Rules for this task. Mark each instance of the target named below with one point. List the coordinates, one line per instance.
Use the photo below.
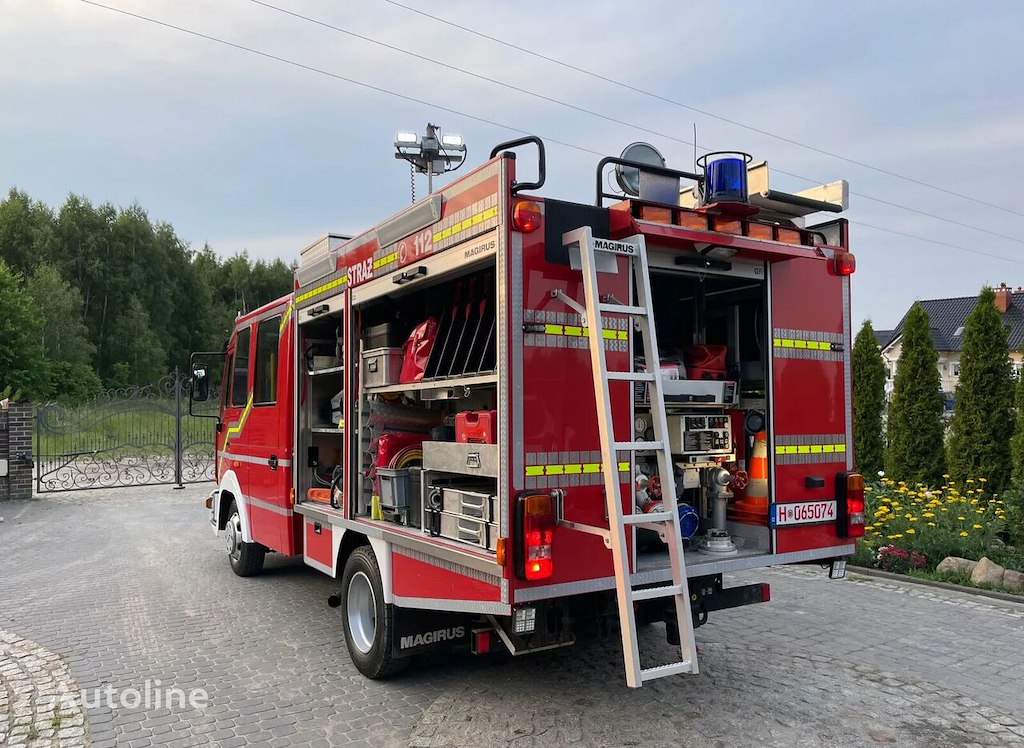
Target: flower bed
(914, 527)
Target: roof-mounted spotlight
(431, 154)
(628, 177)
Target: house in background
(947, 318)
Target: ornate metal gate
(125, 437)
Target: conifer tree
(914, 431)
(868, 401)
(979, 443)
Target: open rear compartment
(712, 327)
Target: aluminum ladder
(666, 522)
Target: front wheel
(369, 621)
(246, 558)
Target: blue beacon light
(725, 179)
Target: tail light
(526, 216)
(850, 505)
(535, 529)
(844, 263)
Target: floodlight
(628, 177)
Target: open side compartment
(427, 402)
(320, 473)
(712, 329)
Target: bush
(73, 384)
(1014, 498)
(899, 560)
(947, 521)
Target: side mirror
(200, 391)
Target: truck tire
(246, 559)
(369, 621)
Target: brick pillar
(16, 447)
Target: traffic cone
(753, 507)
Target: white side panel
(382, 550)
(229, 483)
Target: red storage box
(705, 361)
(477, 427)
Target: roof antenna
(695, 145)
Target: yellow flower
(961, 518)
(974, 501)
(963, 533)
(868, 488)
(908, 515)
(983, 480)
(929, 514)
(869, 527)
(970, 480)
(910, 531)
(931, 524)
(977, 527)
(899, 535)
(943, 509)
(946, 476)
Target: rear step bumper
(707, 594)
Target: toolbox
(381, 336)
(476, 427)
(381, 366)
(463, 529)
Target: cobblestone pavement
(129, 586)
(39, 701)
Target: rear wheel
(369, 621)
(246, 558)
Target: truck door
(232, 455)
(268, 433)
(811, 400)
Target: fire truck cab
(459, 416)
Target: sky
(251, 153)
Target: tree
(22, 365)
(135, 346)
(915, 450)
(1017, 443)
(983, 417)
(63, 333)
(868, 401)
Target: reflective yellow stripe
(473, 220)
(555, 469)
(570, 468)
(534, 470)
(591, 467)
(814, 449)
(320, 289)
(624, 465)
(385, 260)
(575, 331)
(810, 345)
(237, 428)
(286, 317)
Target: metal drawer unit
(464, 529)
(477, 502)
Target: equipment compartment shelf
(327, 430)
(331, 370)
(439, 384)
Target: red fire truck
(497, 418)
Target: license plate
(803, 513)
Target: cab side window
(240, 369)
(265, 388)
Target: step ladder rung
(635, 311)
(660, 671)
(650, 518)
(653, 593)
(631, 376)
(651, 446)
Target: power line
(592, 113)
(379, 89)
(712, 115)
(329, 74)
(1016, 261)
